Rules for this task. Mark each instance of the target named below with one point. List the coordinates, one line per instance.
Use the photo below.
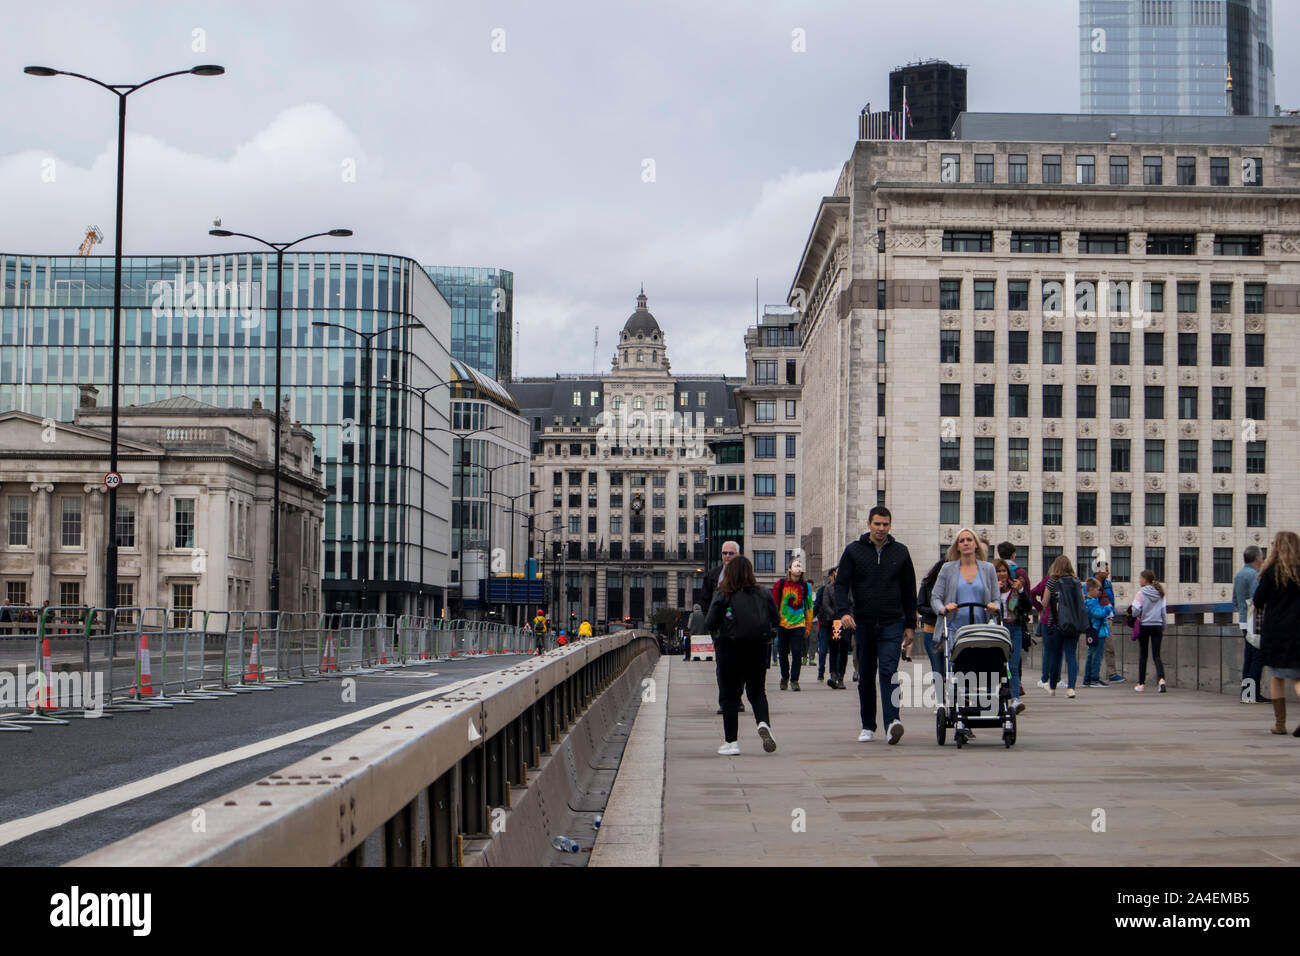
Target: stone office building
(1074, 332)
(619, 477)
(193, 512)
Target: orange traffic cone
(328, 661)
(145, 683)
(254, 662)
(43, 698)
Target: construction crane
(93, 235)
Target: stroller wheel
(1009, 735)
(941, 726)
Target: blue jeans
(1054, 648)
(1252, 668)
(789, 642)
(934, 650)
(823, 647)
(1092, 666)
(1017, 645)
(878, 647)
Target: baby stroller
(975, 659)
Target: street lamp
(121, 91)
(491, 470)
(511, 510)
(460, 497)
(279, 248)
(365, 423)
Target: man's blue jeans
(878, 647)
(823, 646)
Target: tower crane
(93, 235)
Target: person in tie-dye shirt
(793, 598)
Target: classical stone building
(619, 477)
(1076, 333)
(193, 510)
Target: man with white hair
(793, 598)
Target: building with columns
(193, 513)
(619, 477)
(1077, 333)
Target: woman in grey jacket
(1150, 604)
(967, 578)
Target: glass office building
(203, 327)
(482, 316)
(1174, 57)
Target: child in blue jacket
(1099, 616)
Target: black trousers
(742, 666)
(839, 652)
(789, 643)
(1150, 636)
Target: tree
(666, 618)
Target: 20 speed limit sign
(112, 480)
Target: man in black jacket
(877, 580)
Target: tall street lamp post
(121, 91)
(366, 388)
(460, 497)
(491, 470)
(279, 248)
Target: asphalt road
(57, 765)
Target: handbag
(1252, 632)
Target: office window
(1220, 297)
(1053, 507)
(1018, 348)
(880, 399)
(1152, 170)
(1222, 508)
(1085, 402)
(789, 484)
(1121, 563)
(1017, 454)
(1220, 349)
(1186, 297)
(950, 398)
(984, 507)
(765, 411)
(1254, 350)
(1085, 348)
(1187, 401)
(1187, 348)
(1221, 403)
(1085, 454)
(1187, 170)
(880, 240)
(765, 372)
(69, 593)
(1153, 401)
(591, 524)
(984, 452)
(880, 456)
(1220, 456)
(1171, 244)
(1222, 565)
(764, 446)
(1189, 565)
(882, 293)
(790, 408)
(1120, 455)
(1256, 511)
(949, 345)
(1155, 508)
(1119, 170)
(984, 289)
(1189, 510)
(764, 522)
(983, 167)
(1119, 348)
(1189, 455)
(1153, 348)
(1255, 457)
(1253, 298)
(126, 525)
(1086, 508)
(950, 168)
(615, 524)
(1051, 169)
(950, 454)
(1052, 401)
(1225, 245)
(701, 399)
(955, 240)
(1155, 455)
(1119, 395)
(1018, 168)
(950, 507)
(1018, 295)
(71, 523)
(1155, 296)
(765, 562)
(789, 447)
(984, 346)
(1018, 401)
(1018, 507)
(950, 293)
(1255, 404)
(1039, 242)
(1155, 562)
(1053, 454)
(1051, 348)
(789, 522)
(575, 524)
(1103, 243)
(683, 399)
(1218, 170)
(880, 345)
(765, 486)
(18, 522)
(1121, 509)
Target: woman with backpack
(1149, 605)
(743, 617)
(1064, 618)
(929, 620)
(792, 596)
(1278, 596)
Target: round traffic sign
(112, 480)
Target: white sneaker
(1140, 688)
(730, 750)
(1017, 706)
(895, 732)
(1069, 692)
(865, 736)
(1043, 684)
(769, 744)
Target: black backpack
(1068, 611)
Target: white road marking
(47, 819)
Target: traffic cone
(328, 661)
(145, 683)
(254, 662)
(43, 698)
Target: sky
(589, 147)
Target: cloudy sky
(530, 156)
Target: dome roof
(641, 322)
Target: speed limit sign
(112, 480)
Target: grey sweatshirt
(1152, 605)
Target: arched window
(661, 404)
(617, 403)
(640, 356)
(654, 356)
(638, 403)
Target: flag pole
(903, 118)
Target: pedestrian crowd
(870, 607)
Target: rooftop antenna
(756, 315)
(594, 348)
(514, 357)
